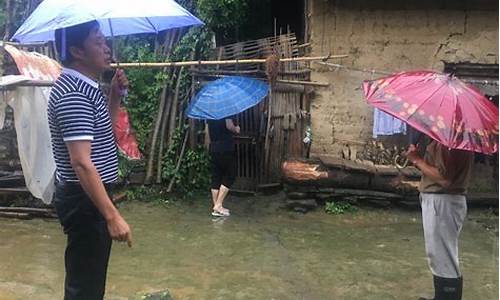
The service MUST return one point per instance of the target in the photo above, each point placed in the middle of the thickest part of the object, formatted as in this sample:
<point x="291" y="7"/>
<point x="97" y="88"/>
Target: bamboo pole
<point x="295" y="82"/>
<point x="177" y="167"/>
<point x="267" y="141"/>
<point x="27" y="210"/>
<point x="14" y="215"/>
<point x="300" y="82"/>
<point x="221" y="62"/>
<point x="175" y="103"/>
<point x="36" y="83"/>
<point x="8" y="18"/>
<point x="164" y="122"/>
<point x="149" y="169"/>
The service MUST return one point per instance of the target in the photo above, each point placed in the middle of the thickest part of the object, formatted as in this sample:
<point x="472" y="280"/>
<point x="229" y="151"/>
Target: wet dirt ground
<point x="260" y="252"/>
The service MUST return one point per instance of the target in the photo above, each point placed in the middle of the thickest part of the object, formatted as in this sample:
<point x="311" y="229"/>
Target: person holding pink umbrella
<point x="445" y="179"/>
<point x="460" y="121"/>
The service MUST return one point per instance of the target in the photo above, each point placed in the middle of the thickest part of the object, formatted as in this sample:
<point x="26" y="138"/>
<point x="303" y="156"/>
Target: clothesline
<point x="378" y="72"/>
<point x="339" y="66"/>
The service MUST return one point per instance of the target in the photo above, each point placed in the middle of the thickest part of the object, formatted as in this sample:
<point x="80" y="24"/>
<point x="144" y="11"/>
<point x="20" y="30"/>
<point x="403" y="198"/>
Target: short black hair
<point x="75" y="37"/>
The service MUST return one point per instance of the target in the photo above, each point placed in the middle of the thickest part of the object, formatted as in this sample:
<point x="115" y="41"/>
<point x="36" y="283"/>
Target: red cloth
<point x="125" y="138"/>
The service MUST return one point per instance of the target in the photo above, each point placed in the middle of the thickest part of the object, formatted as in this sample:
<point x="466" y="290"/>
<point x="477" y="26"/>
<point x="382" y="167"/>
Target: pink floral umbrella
<point x="439" y="105"/>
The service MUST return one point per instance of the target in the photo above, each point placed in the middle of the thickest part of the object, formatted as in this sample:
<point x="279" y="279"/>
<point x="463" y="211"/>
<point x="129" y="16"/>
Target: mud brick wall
<point x="390" y="36"/>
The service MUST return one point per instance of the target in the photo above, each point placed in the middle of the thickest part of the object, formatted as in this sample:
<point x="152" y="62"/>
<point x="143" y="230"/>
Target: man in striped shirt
<point x="80" y="119"/>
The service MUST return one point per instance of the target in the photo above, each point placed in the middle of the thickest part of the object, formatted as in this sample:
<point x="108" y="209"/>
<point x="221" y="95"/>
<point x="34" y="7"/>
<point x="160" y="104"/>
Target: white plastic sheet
<point x="29" y="104"/>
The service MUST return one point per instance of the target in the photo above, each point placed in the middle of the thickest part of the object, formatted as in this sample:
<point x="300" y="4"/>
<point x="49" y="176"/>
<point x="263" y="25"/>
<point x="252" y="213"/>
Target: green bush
<point x="144" y="93"/>
<point x="193" y="175"/>
<point x="152" y="194"/>
<point x="340" y="207"/>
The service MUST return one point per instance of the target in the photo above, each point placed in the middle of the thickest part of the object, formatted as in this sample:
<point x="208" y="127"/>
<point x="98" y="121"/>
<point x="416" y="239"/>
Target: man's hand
<point x="119" y="84"/>
<point x="119" y="229"/>
<point x="237" y="129"/>
<point x="79" y="152"/>
<point x="412" y="154"/>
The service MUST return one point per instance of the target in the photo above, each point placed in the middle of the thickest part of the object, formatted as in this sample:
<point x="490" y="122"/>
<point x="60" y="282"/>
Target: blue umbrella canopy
<point x="226" y="97"/>
<point x="116" y="17"/>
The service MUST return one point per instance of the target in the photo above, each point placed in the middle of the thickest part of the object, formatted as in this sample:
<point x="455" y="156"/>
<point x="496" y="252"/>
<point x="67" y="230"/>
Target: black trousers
<point x="88" y="243"/>
<point x="223" y="169"/>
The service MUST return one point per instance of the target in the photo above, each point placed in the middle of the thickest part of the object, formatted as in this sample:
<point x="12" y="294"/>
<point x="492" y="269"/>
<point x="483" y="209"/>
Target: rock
<point x="297" y="195"/>
<point x="300" y="210"/>
<point x="302" y="205"/>
<point x="327" y="190"/>
<point x="161" y="295"/>
<point x="290" y="188"/>
<point x="324" y="196"/>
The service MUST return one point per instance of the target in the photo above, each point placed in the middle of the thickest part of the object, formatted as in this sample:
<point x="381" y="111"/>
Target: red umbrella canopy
<point x="439" y="105"/>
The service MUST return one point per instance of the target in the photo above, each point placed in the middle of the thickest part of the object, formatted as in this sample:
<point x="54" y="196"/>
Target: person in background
<point x="445" y="178"/>
<point x="81" y="126"/>
<point x="222" y="162"/>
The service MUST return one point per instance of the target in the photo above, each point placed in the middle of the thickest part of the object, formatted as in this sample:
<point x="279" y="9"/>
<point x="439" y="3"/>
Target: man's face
<point x="95" y="53"/>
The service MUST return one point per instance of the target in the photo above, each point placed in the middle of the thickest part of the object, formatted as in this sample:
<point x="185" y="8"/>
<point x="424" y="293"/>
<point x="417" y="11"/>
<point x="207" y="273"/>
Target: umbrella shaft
<point x="415" y="136"/>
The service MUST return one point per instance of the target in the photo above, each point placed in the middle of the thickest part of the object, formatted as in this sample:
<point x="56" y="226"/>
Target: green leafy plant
<point x="146" y="85"/>
<point x="224" y="17"/>
<point x="339" y="207"/>
<point x="193" y="176"/>
<point x="152" y="194"/>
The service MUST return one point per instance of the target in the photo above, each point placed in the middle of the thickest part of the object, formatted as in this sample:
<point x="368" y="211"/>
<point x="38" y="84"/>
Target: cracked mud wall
<point x="387" y="36"/>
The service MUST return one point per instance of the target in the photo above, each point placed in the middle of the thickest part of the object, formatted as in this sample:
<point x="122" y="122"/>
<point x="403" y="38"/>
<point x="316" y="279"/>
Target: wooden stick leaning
<point x="179" y="161"/>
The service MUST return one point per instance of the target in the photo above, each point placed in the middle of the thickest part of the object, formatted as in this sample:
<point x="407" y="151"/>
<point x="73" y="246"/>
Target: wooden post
<point x="149" y="168"/>
<point x="164" y="122"/>
<point x="179" y="161"/>
<point x="175" y="104"/>
<point x="267" y="143"/>
<point x="191" y="122"/>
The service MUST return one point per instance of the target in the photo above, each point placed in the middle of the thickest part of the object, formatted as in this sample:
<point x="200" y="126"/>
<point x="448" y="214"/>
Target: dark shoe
<point x="448" y="288"/>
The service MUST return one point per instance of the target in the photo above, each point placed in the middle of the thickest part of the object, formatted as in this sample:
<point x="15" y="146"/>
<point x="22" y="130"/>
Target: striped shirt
<point x="78" y="111"/>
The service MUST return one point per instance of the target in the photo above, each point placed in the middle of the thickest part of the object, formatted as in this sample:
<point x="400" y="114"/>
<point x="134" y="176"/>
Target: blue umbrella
<point x="116" y="17"/>
<point x="226" y="97"/>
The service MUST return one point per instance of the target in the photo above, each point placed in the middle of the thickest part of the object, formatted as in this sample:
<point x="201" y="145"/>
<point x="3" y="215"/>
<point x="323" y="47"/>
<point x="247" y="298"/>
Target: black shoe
<point x="448" y="288"/>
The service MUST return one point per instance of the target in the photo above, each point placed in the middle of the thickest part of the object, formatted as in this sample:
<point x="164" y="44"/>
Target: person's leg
<point x="223" y="191"/>
<point x="86" y="260"/>
<point x="216" y="179"/>
<point x="443" y="216"/>
<point x="88" y="244"/>
<point x="215" y="194"/>
<point x="228" y="177"/>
